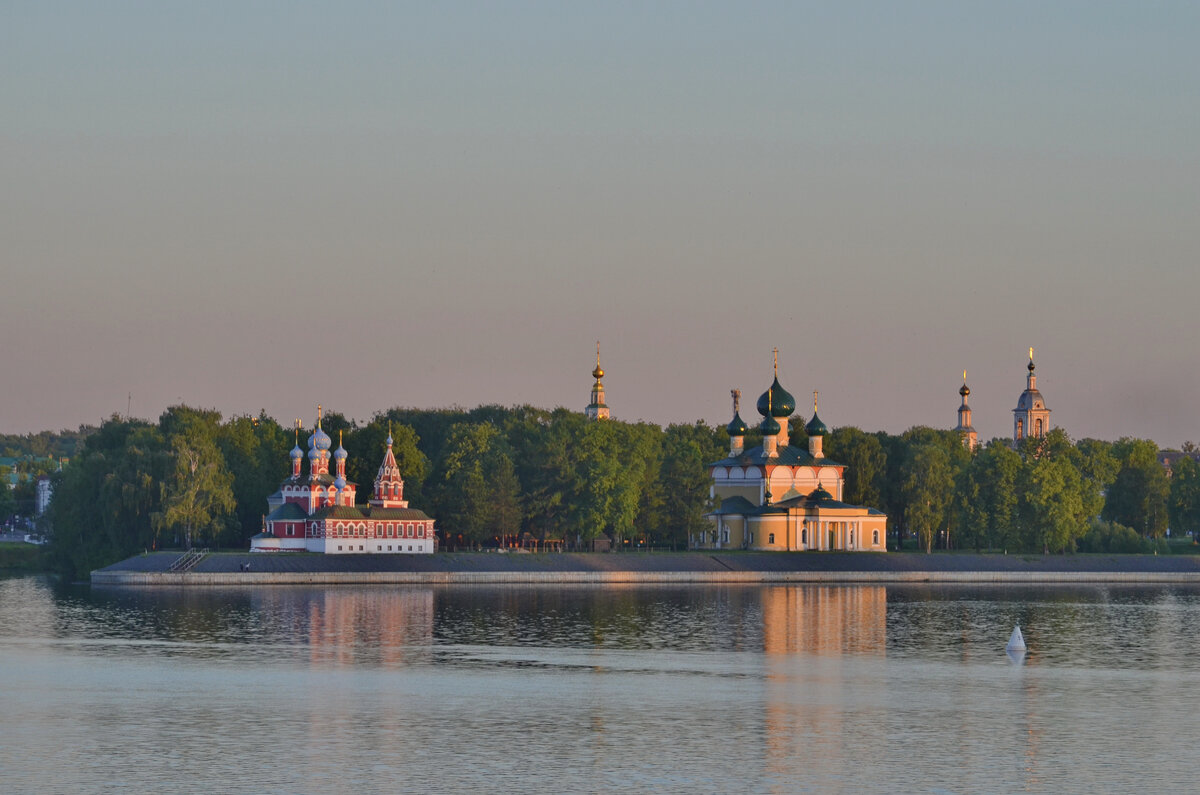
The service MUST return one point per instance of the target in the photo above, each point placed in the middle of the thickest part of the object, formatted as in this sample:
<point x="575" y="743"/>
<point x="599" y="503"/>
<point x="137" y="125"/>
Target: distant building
<point x="1031" y="418"/>
<point x="1169" y="458"/>
<point x="597" y="409"/>
<point x="783" y="498"/>
<point x="45" y="489"/>
<point x="970" y="439"/>
<point x="317" y="513"/>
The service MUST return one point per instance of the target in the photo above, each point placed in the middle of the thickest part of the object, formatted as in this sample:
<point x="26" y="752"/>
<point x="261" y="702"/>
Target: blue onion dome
<point x="297" y="452"/>
<point x="815" y="427"/>
<point x="737" y="427"/>
<point x="770" y="426"/>
<point x="340" y="483"/>
<point x="320" y="440"/>
<point x="314" y="454"/>
<point x="777" y="401"/>
<point x="820" y="495"/>
<point x="389" y="439"/>
<point x="340" y="453"/>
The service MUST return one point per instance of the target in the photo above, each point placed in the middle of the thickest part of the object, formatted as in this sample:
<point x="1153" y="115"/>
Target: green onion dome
<point x="820" y="495"/>
<point x="770" y="426"/>
<point x="737" y="427"/>
<point x="815" y="427"/>
<point x="777" y="401"/>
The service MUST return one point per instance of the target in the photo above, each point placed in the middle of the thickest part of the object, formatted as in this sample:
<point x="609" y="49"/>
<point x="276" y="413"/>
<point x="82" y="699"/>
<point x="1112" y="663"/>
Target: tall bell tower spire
<point x="597" y="409"/>
<point x="970" y="439"/>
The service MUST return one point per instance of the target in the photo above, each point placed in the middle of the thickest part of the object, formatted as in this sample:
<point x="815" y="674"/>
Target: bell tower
<point x="970" y="439"/>
<point x="597" y="409"/>
<point x="1030" y="417"/>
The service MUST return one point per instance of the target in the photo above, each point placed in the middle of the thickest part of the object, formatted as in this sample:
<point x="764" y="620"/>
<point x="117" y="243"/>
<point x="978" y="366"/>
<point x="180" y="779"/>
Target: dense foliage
<point x="493" y="474"/>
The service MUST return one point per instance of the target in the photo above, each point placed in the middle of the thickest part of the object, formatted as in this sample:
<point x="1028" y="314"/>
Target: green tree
<point x="684" y="481"/>
<point x="1138" y="495"/>
<point x="1055" y="504"/>
<point x="8" y="503"/>
<point x="1098" y="467"/>
<point x="105" y="500"/>
<point x="255" y="450"/>
<point x="1184" y="509"/>
<point x="477" y="492"/>
<point x="198" y="495"/>
<point x="866" y="464"/>
<point x="927" y="484"/>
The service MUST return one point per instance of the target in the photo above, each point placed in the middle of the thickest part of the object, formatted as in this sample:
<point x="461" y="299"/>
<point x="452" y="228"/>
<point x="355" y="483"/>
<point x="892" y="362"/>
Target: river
<point x="766" y="688"/>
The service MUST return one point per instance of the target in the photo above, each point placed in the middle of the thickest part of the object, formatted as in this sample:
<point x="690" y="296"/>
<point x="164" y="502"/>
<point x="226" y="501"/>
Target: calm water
<point x="589" y="689"/>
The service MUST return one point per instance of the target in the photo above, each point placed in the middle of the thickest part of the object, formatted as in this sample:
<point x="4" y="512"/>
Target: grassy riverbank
<point x="19" y="557"/>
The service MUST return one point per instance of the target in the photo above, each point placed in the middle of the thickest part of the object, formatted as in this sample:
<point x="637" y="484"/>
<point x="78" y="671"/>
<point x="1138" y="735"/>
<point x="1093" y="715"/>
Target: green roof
<point x="370" y="512"/>
<point x="289" y="511"/>
<point x="788" y="455"/>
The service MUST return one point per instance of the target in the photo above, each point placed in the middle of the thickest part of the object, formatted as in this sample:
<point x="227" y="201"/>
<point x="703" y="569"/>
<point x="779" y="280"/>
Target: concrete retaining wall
<point x="647" y="577"/>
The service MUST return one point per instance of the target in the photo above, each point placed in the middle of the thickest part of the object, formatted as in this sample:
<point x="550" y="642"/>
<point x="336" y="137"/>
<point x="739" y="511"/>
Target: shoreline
<point x="733" y="568"/>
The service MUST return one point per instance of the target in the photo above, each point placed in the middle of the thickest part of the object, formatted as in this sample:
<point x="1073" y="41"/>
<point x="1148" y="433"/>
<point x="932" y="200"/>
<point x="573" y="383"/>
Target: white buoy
<point x="1016" y="641"/>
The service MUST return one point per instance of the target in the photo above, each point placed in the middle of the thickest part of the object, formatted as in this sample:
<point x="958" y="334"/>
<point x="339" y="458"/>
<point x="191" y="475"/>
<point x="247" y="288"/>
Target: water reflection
<point x="755" y="688"/>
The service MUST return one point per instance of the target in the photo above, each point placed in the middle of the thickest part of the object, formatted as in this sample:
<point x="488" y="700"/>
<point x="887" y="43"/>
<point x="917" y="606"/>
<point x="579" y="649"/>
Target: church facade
<point x="779" y="497"/>
<point x="317" y="512"/>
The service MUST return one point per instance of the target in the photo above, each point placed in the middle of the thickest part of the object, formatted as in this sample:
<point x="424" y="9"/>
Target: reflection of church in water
<point x="823" y="648"/>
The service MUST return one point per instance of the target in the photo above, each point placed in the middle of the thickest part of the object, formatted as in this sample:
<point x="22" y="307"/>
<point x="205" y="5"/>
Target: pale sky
<point x="272" y="205"/>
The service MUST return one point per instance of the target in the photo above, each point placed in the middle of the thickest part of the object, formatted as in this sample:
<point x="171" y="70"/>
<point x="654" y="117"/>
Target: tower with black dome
<point x="970" y="439"/>
<point x="597" y="409"/>
<point x="1031" y="418"/>
<point x="781" y="497"/>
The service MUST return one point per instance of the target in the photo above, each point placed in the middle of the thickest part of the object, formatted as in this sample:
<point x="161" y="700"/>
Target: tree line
<point x="492" y="474"/>
<point x="487" y="475"/>
<point x="1046" y="494"/>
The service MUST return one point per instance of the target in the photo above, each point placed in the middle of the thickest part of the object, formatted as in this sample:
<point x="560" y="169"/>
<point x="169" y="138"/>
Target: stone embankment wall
<point x="107" y="577"/>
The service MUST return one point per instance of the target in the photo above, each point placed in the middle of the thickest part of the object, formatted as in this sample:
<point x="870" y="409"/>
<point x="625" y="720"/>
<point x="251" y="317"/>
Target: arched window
<point x="1020" y="429"/>
<point x="804" y="536"/>
<point x="875" y="537"/>
<point x="1037" y="428"/>
<point x="771" y="538"/>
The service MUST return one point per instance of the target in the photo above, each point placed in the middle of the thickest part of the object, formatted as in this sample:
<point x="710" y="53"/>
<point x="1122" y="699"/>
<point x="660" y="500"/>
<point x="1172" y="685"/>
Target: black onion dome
<point x="815" y="427"/>
<point x="737" y="427"/>
<point x="777" y="401"/>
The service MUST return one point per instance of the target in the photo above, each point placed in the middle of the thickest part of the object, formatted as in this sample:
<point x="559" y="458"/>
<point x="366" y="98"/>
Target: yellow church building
<point x="778" y="497"/>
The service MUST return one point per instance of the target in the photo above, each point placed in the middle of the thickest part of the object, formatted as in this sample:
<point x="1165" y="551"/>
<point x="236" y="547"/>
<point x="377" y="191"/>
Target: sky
<point x="269" y="205"/>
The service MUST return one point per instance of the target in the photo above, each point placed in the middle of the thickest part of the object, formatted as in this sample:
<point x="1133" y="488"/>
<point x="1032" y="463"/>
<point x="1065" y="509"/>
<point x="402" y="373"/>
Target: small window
<point x="410" y="547"/>
<point x="379" y="547"/>
<point x="771" y="538"/>
<point x="804" y="536"/>
<point x="339" y="547"/>
<point x="389" y="547"/>
<point x="875" y="538"/>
